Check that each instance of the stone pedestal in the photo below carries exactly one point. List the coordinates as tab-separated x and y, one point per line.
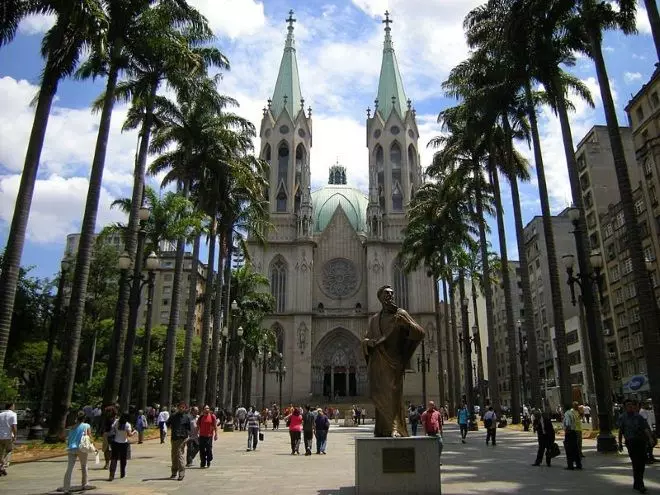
397	465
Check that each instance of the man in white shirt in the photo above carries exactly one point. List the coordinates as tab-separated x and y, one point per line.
162	423
587	413
8	432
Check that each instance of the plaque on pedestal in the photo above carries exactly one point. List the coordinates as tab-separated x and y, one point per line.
408	465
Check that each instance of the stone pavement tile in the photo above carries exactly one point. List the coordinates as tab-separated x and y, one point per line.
467	468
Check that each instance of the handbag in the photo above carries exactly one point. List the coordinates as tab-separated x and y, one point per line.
261	437
86	446
554	450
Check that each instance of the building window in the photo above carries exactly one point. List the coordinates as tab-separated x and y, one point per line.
614	273
165	302
397	190
639	206
167	277
584	181
649	253
608	230
648	168
637	340
278	283
618	296
640	113
634	314
572	337
400	285
627	266
164	316
622	320
282	163
281	200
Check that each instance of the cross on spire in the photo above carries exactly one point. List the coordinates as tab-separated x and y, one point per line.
291	19
387	20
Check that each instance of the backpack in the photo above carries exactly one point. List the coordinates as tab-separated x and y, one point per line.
413	416
308	421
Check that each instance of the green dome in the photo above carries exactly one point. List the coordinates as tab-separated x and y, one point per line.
327	199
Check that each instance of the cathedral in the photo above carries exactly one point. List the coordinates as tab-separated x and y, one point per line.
332	248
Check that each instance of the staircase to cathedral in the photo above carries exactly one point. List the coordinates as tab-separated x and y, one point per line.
344	404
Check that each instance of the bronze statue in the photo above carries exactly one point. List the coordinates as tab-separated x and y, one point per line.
391	340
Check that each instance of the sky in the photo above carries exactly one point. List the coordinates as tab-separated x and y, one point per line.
339	49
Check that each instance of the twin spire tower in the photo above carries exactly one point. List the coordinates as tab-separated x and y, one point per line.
392	135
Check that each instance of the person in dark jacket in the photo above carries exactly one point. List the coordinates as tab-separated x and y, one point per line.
181	426
321	426
545	433
308	429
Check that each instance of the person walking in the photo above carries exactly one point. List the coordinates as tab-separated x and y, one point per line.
241	415
121	432
637	433
646	414
490	423
432	423
140	425
80	430
587	413
276	417
321	428
193	441
252	421
163	417
179	422
463	417
294	422
109	417
207	425
8	433
308	429
573	459
413	417
545	434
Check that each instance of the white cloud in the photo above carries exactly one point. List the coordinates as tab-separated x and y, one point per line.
631	77
56	207
643	23
232	18
36	24
65	161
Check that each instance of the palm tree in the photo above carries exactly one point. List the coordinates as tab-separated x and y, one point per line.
177	57
80	26
172	216
193	299
593	18
654	19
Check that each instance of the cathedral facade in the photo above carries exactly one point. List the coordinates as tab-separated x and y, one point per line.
332	248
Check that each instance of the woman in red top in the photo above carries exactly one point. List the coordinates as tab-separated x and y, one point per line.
295	429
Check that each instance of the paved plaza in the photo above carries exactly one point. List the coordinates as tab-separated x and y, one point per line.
469	468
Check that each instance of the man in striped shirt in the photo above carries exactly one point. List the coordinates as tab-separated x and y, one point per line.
253	428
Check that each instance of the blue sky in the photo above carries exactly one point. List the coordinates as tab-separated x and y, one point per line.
339	47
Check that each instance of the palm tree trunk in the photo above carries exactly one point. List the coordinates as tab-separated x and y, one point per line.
480	361
467	345
203	364
508	302
645	294
222	279
146	348
454	345
654	19
528	321
166	393
16	239
439	340
133	235
190	324
450	357
553	269
493	385
63	385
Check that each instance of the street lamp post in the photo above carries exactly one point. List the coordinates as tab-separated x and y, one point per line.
280	373
239	336
152	264
590	271
481	384
466	341
225	335
423	365
522	344
265	356
138	282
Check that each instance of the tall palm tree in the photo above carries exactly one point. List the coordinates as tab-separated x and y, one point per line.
80	26
654	19
193	299
592	19
179	58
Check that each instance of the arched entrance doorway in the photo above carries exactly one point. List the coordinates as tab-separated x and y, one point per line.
338	368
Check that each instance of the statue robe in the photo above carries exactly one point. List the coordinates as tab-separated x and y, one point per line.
396	336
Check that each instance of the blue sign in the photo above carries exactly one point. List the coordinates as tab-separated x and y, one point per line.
636	383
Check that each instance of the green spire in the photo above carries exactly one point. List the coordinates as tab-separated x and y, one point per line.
287	92
390	87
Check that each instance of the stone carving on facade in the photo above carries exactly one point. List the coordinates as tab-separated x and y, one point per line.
302	337
376	265
303	265
339	278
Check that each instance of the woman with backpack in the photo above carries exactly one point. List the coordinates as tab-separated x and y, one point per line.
413	417
78	449
121	432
